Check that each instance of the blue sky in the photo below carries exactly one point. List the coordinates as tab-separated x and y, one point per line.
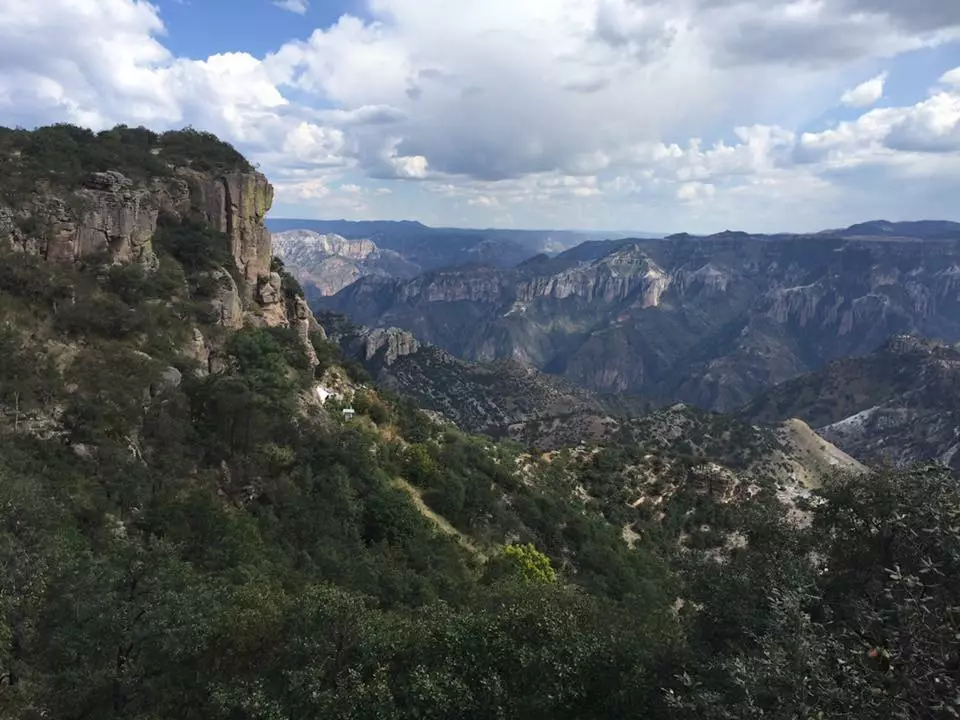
200	28
660	115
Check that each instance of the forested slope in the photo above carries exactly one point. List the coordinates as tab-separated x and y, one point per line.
185	532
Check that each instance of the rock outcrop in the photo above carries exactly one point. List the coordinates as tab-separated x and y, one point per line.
227	303
112	216
390	343
237	204
107	216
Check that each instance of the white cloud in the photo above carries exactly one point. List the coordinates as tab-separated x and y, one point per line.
593	112
306	190
695	191
866	93
484	201
299	7
951	78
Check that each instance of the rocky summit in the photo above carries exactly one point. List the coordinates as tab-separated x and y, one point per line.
710	321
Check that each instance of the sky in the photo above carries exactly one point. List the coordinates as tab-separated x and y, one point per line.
627	115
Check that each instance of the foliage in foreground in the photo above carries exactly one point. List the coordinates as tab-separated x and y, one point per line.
209	549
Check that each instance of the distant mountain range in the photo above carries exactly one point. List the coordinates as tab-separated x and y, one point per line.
431	248
711	321
325	263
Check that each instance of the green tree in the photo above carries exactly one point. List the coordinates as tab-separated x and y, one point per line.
523	563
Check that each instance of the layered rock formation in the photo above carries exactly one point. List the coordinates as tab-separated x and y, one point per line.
109	216
115	217
708	321
326	263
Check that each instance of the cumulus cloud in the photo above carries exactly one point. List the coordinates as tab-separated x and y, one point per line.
597	112
866	93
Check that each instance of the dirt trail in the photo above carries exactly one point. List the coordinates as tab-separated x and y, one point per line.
442	524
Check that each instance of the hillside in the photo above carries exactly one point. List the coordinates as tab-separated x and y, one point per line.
501	398
899	403
192	527
325	264
708	321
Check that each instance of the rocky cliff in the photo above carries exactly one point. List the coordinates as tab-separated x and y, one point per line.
113	215
326	263
708	321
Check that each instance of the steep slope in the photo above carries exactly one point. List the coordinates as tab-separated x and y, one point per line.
901	402
498	398
325	264
130	197
204	538
709	321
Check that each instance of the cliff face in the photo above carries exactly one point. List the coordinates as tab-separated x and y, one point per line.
108	215
113	216
326	263
236	204
707	321
622	275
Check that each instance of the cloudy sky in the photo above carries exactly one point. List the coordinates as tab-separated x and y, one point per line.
656	115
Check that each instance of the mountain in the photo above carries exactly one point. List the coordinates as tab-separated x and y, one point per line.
921	230
431	248
325	264
208	511
900	403
502	398
710	321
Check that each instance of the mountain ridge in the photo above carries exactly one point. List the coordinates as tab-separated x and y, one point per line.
706	321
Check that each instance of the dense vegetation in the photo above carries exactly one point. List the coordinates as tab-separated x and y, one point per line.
176	543
62	156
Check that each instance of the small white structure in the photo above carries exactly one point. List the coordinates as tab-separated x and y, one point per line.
324	393
348	413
